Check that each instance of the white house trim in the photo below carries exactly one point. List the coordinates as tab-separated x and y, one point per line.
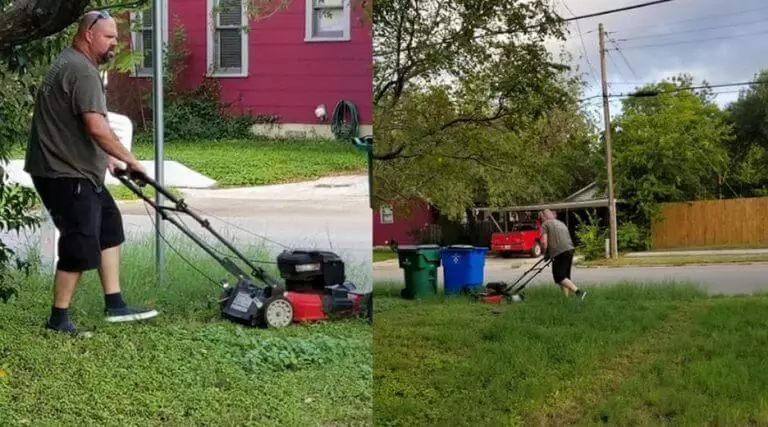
136	41
210	42
309	13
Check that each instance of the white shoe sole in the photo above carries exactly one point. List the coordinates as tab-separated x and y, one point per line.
132	317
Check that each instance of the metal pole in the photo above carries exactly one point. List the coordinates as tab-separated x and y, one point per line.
157	89
608	148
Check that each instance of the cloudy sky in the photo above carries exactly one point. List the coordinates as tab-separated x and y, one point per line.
714	40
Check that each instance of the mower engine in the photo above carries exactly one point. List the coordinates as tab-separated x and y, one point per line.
308	270
315	289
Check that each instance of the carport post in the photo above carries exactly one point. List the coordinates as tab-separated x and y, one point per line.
157	92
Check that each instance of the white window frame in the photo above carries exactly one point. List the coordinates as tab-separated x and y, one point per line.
137	40
309	26
211	28
386	215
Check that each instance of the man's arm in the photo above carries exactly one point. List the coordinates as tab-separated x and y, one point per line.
543	239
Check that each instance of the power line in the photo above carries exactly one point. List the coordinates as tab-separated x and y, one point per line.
618	49
583	45
695	41
622	9
696	30
652	93
701	18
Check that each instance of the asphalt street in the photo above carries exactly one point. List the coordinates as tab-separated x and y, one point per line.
726	279
331	213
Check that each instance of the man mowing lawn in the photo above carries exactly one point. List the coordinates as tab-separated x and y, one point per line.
556	244
70	147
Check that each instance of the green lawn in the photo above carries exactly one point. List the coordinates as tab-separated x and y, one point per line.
627	355
257	162
383	255
676	260
186	367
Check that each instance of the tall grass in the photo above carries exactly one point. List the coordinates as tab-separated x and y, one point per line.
186	366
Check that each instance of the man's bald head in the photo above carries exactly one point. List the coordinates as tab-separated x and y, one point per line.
548	214
96	36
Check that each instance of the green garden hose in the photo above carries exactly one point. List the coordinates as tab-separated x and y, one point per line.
341	129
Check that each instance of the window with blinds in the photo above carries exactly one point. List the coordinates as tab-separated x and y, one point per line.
142	40
228	36
327	20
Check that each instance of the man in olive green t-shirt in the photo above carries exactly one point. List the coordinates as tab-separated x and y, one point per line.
557	245
69	149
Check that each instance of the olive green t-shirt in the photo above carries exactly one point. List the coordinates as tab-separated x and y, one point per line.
558	237
58	144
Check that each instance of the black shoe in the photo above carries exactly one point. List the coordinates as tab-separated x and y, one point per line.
128	314
69	328
581	294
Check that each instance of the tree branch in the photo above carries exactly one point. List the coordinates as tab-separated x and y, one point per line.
28	20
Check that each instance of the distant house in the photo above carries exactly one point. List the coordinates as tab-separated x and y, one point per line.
389	224
487	220
315	53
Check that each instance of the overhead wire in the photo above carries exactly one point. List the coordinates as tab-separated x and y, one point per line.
701	18
674	43
583	46
645	94
695	30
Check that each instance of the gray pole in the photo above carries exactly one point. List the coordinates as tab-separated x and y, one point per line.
608	148
157	88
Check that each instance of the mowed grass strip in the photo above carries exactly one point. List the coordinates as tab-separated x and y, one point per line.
262	162
186	367
449	361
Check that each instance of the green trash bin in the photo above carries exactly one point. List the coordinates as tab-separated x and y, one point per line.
419	264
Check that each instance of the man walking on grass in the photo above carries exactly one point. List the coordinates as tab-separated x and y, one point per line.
556	244
70	148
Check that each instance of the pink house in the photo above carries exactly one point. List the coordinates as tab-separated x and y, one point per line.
389	224
310	55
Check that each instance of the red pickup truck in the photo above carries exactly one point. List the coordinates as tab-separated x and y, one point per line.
522	238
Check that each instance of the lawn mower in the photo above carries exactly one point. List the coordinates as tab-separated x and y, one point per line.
314	288
498	292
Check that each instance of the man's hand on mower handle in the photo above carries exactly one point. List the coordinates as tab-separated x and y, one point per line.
134	171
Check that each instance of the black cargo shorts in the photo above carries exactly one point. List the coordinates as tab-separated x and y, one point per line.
561	266
87	218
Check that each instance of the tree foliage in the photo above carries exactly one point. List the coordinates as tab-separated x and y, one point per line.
668	147
749	148
469	106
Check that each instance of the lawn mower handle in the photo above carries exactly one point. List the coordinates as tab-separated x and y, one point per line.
134	180
141	179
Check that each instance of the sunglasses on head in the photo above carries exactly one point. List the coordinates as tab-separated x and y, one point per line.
103	14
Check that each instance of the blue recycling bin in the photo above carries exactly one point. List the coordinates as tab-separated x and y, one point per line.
463	268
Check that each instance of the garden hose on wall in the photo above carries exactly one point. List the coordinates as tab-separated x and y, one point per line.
341	129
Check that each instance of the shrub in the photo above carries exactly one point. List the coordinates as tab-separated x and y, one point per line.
197	113
630	237
591	238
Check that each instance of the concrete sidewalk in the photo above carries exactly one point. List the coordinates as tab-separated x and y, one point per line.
706	252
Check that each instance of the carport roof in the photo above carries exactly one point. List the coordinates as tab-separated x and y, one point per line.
584	198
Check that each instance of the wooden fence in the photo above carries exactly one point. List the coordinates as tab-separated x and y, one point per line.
728	222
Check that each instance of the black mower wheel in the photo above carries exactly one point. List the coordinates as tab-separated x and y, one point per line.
277	313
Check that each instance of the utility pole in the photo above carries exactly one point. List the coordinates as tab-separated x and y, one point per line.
608	149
